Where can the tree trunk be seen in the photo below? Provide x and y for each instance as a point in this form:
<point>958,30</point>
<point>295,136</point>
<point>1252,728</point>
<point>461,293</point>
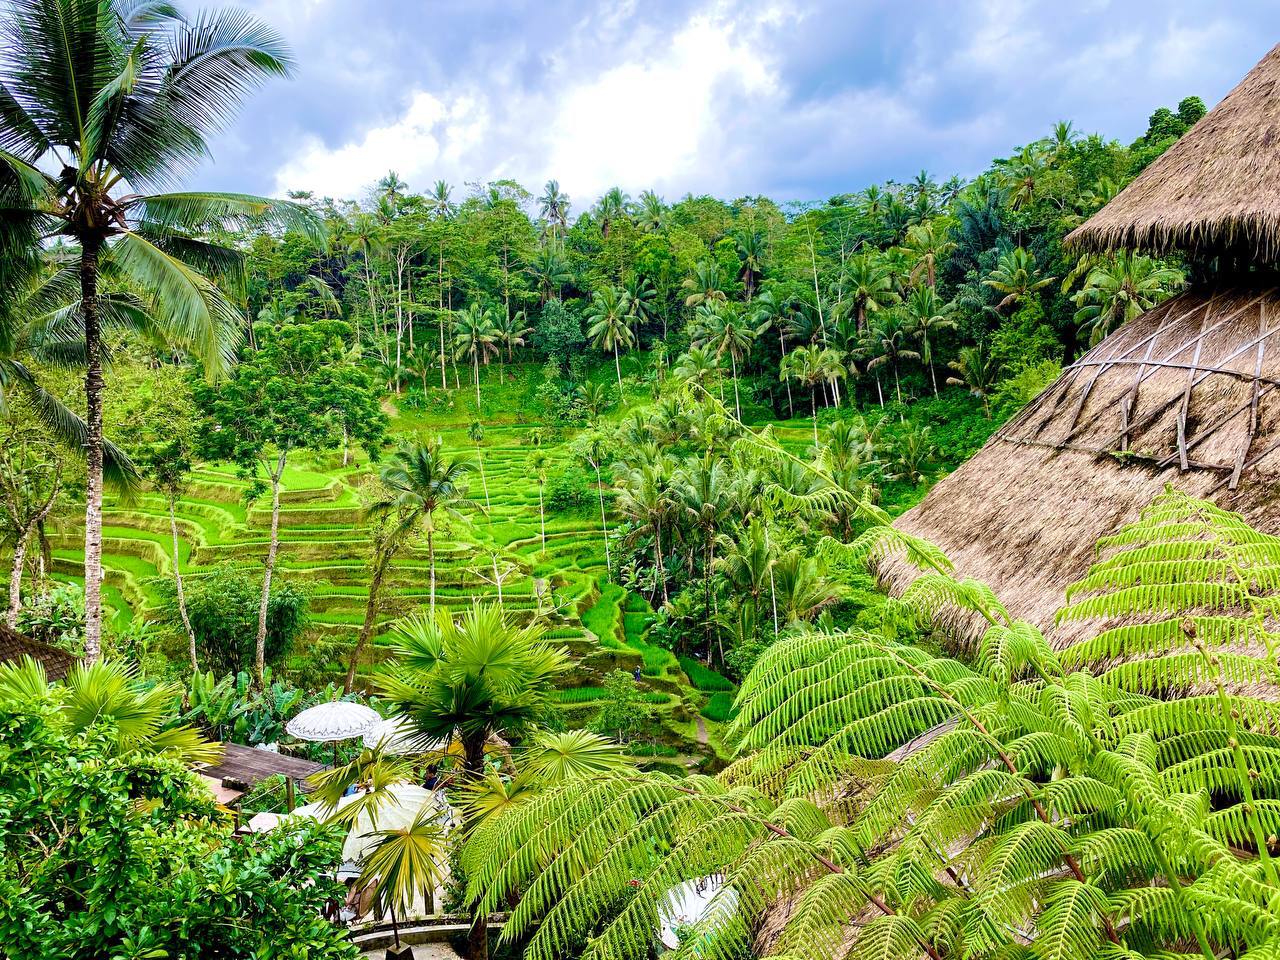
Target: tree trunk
<point>431,559</point>
<point>475,360</point>
<point>444,380</point>
<point>617,366</point>
<point>178,590</point>
<point>93,389</point>
<point>542,516</point>
<point>737,405</point>
<point>782,342</point>
<point>15,578</point>
<point>604,526</point>
<point>473,770</point>
<point>273,547</point>
<point>813,408</point>
<point>370,615</point>
<point>657,559</point>
<point>484,483</point>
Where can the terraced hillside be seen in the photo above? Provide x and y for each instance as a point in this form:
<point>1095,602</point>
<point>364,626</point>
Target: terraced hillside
<point>325,545</point>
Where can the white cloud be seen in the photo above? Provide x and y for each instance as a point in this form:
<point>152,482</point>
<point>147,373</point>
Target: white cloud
<point>647,116</point>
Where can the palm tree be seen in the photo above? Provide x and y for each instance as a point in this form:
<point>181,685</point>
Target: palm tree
<point>610,208</point>
<point>640,301</point>
<point>768,310</point>
<point>977,371</point>
<point>419,363</point>
<point>553,205</point>
<point>475,334</point>
<point>705,494</point>
<point>594,398</point>
<point>421,481</point>
<point>929,243</point>
<point>469,679</point>
<point>705,286</point>
<point>646,499</point>
<point>132,715</point>
<point>868,285</point>
<point>590,448</point>
<point>831,364</point>
<point>804,365</point>
<point>512,331</point>
<point>725,330</point>
<point>1017,277</point>
<point>608,330</point>
<point>441,207</point>
<point>1119,289</point>
<point>1020,175</point>
<point>926,314</point>
<point>653,213</point>
<point>887,341</point>
<point>751,254</point>
<point>475,433</point>
<point>405,864</point>
<point>700,366</point>
<point>550,270</point>
<point>121,98</point>
<point>538,462</point>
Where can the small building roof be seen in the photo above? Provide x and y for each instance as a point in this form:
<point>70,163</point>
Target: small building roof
<point>14,647</point>
<point>1217,190</point>
<point>249,765</point>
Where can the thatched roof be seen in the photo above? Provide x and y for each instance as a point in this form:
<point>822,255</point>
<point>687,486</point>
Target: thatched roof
<point>1187,394</point>
<point>1216,190</point>
<point>14,647</point>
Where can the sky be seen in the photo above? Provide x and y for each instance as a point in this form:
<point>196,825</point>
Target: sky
<point>793,100</point>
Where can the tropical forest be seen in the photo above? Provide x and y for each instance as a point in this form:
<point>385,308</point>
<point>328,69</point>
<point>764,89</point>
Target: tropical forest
<point>465,568</point>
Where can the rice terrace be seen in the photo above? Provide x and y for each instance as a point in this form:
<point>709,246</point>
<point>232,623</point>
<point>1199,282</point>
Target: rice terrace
<point>569,482</point>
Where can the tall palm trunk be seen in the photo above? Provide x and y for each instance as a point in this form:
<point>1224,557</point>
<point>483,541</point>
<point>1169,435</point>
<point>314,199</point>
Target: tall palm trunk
<point>542,516</point>
<point>604,525</point>
<point>473,770</point>
<point>813,409</point>
<point>178,589</point>
<point>782,343</point>
<point>273,548</point>
<point>444,380</point>
<point>617,366</point>
<point>484,483</point>
<point>370,613</point>
<point>737,404</point>
<point>475,362</point>
<point>657,559</point>
<point>431,558</point>
<point>93,389</point>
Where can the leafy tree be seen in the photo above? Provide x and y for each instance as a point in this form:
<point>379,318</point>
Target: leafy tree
<point>299,391</point>
<point>623,713</point>
<point>144,864</point>
<point>32,465</point>
<point>558,333</point>
<point>222,609</point>
<point>475,335</point>
<point>121,100</point>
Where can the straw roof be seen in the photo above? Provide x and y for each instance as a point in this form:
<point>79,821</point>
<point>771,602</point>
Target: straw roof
<point>1216,190</point>
<point>1188,394</point>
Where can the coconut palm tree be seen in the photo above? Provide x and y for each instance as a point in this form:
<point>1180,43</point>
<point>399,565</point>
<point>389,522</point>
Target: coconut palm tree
<point>1119,289</point>
<point>704,492</point>
<point>700,366</point>
<point>608,328</point>
<point>705,285</point>
<point>590,449</point>
<point>469,679</point>
<point>475,433</point>
<point>868,285</point>
<point>646,500</point>
<point>653,213</point>
<point>441,207</point>
<point>770,310</point>
<point>928,244</point>
<point>1017,277</point>
<point>610,208</point>
<point>121,98</point>
<point>887,341</point>
<point>977,371</point>
<point>422,481</point>
<point>751,254</point>
<point>553,205</point>
<point>724,329</point>
<point>512,331</point>
<point>418,363</point>
<point>804,365</point>
<point>550,270</point>
<point>641,298</point>
<point>927,315</point>
<point>475,335</point>
<point>594,398</point>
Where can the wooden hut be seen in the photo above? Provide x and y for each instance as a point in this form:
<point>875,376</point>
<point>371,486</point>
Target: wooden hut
<point>1187,394</point>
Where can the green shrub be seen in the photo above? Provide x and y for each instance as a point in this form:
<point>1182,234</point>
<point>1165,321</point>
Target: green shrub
<point>570,489</point>
<point>580,694</point>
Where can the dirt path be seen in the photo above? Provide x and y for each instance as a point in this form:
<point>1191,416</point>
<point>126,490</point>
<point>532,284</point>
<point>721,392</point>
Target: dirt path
<point>702,731</point>
<point>424,951</point>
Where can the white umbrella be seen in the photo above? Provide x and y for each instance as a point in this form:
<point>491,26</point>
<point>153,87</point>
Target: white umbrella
<point>691,901</point>
<point>336,720</point>
<point>400,807</point>
<point>398,736</point>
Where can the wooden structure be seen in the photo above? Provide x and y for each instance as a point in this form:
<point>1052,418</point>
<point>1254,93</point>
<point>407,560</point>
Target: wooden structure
<point>242,767</point>
<point>15,647</point>
<point>1187,394</point>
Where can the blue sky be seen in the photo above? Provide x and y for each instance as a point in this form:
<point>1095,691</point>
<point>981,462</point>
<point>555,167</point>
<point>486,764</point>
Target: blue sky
<point>794,100</point>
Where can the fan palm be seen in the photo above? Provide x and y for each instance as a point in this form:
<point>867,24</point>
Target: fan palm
<point>475,335</point>
<point>927,314</point>
<point>125,95</point>
<point>608,317</point>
